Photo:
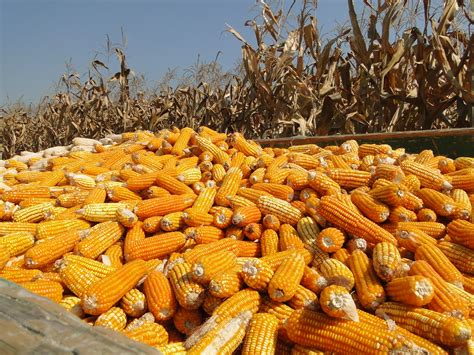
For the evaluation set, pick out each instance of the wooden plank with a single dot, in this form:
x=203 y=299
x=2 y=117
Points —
x=31 y=324
x=450 y=142
x=297 y=140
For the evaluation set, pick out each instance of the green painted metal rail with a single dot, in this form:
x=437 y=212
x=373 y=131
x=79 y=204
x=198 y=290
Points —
x=449 y=142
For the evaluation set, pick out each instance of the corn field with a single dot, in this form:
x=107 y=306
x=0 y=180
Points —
x=379 y=74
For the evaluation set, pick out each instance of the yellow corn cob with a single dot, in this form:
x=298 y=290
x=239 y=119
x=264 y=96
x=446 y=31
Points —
x=239 y=201
x=237 y=141
x=152 y=224
x=19 y=275
x=429 y=177
x=21 y=193
x=102 y=295
x=304 y=298
x=218 y=172
x=147 y=318
x=386 y=260
x=342 y=255
x=189 y=294
x=35 y=201
x=72 y=199
x=4 y=256
x=204 y=235
x=348 y=178
x=335 y=212
x=330 y=240
x=72 y=305
x=134 y=303
x=173 y=185
x=280 y=310
x=155 y=191
x=298 y=180
x=172 y=222
x=114 y=318
x=194 y=217
x=402 y=214
x=186 y=321
x=191 y=175
x=246 y=300
x=100 y=212
x=205 y=199
x=219 y=156
x=257 y=175
x=49 y=289
x=411 y=290
x=336 y=273
x=433 y=229
x=438 y=261
x=434 y=326
x=120 y=193
x=308 y=328
x=151 y=334
x=313 y=280
x=99 y=238
x=422 y=343
x=230 y=186
x=163 y=205
x=252 y=194
x=224 y=338
x=274 y=260
x=444 y=300
x=253 y=232
x=83 y=181
x=77 y=278
x=32 y=214
x=207 y=266
x=262 y=334
x=464 y=162
x=97 y=268
x=305 y=350
x=369 y=290
x=286 y=278
x=277 y=176
x=280 y=208
x=172 y=349
x=283 y=192
x=289 y=238
x=206 y=249
x=50 y=250
x=142 y=181
x=392 y=194
x=337 y=302
x=160 y=298
x=182 y=141
x=126 y=217
x=459 y=256
x=269 y=242
x=17 y=243
x=50 y=229
x=222 y=217
x=113 y=256
x=211 y=303
x=226 y=283
x=155 y=247
x=374 y=210
x=462 y=232
x=270 y=221
x=442 y=204
x=388 y=172
x=257 y=274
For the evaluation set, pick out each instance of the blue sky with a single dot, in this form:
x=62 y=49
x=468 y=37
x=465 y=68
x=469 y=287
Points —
x=38 y=37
